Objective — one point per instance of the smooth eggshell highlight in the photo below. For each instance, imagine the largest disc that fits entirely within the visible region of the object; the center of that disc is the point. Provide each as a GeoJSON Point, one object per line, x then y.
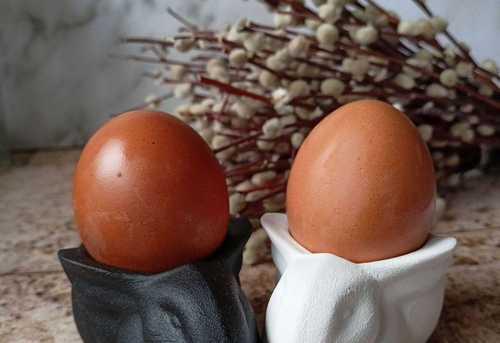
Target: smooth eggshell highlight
{"type": "Point", "coordinates": [149, 195]}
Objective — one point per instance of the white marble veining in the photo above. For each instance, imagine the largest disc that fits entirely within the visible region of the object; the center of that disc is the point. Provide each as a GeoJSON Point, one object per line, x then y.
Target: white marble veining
{"type": "Point", "coordinates": [58, 82]}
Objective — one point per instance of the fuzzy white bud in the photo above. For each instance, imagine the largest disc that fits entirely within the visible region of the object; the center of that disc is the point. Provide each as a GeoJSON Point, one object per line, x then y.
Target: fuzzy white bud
{"type": "Point", "coordinates": [449, 78]}
{"type": "Point", "coordinates": [318, 2]}
{"type": "Point", "coordinates": [312, 24]}
{"type": "Point", "coordinates": [182, 110]}
{"type": "Point", "coordinates": [450, 56]}
{"type": "Point", "coordinates": [296, 139]}
{"type": "Point", "coordinates": [472, 174]}
{"type": "Point", "coordinates": [458, 129]}
{"type": "Point", "coordinates": [298, 88]}
{"type": "Point", "coordinates": [366, 35]}
{"type": "Point", "coordinates": [219, 73]}
{"type": "Point", "coordinates": [426, 132]}
{"type": "Point", "coordinates": [307, 70]}
{"type": "Point", "coordinates": [424, 54]}
{"type": "Point", "coordinates": [236, 203]}
{"type": "Point", "coordinates": [220, 141]}
{"type": "Point", "coordinates": [243, 110]}
{"type": "Point", "coordinates": [280, 97]}
{"type": "Point", "coordinates": [238, 57]}
{"type": "Point", "coordinates": [407, 28]}
{"type": "Point", "coordinates": [215, 62]}
{"type": "Point", "coordinates": [357, 67]}
{"type": "Point", "coordinates": [454, 180]}
{"type": "Point", "coordinates": [449, 117]}
{"type": "Point", "coordinates": [404, 81]}
{"type": "Point", "coordinates": [439, 24]}
{"type": "Point", "coordinates": [247, 156]}
{"type": "Point", "coordinates": [244, 186]}
{"type": "Point", "coordinates": [265, 145]}
{"type": "Point", "coordinates": [254, 251]}
{"type": "Point", "coordinates": [262, 178]}
{"type": "Point", "coordinates": [235, 34]}
{"type": "Point", "coordinates": [316, 113]}
{"type": "Point", "coordinates": [177, 72]}
{"type": "Point", "coordinates": [436, 91]}
{"type": "Point", "coordinates": [490, 66]}
{"type": "Point", "coordinates": [271, 127]}
{"type": "Point", "coordinates": [184, 45]}
{"type": "Point", "coordinates": [440, 209]}
{"type": "Point", "coordinates": [486, 130]}
{"type": "Point", "coordinates": [207, 134]}
{"type": "Point", "coordinates": [282, 21]}
{"type": "Point", "coordinates": [199, 108]}
{"type": "Point", "coordinates": [182, 90]}
{"type": "Point", "coordinates": [288, 120]}
{"type": "Point", "coordinates": [275, 63]}
{"type": "Point", "coordinates": [268, 79]}
{"type": "Point", "coordinates": [468, 136]}
{"type": "Point", "coordinates": [472, 119]}
{"type": "Point", "coordinates": [254, 42]}
{"type": "Point", "coordinates": [329, 12]}
{"type": "Point", "coordinates": [327, 35]}
{"type": "Point", "coordinates": [464, 69]}
{"type": "Point", "coordinates": [299, 46]}
{"type": "Point", "coordinates": [453, 160]}
{"type": "Point", "coordinates": [256, 195]}
{"type": "Point", "coordinates": [271, 205]}
{"type": "Point", "coordinates": [485, 90]}
{"type": "Point", "coordinates": [424, 27]}
{"type": "Point", "coordinates": [302, 113]}
{"type": "Point", "coordinates": [332, 87]}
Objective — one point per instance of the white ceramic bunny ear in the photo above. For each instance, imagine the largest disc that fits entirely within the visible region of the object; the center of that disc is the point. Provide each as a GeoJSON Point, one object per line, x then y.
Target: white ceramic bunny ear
{"type": "Point", "coordinates": [325, 298]}
{"type": "Point", "coordinates": [284, 249]}
{"type": "Point", "coordinates": [413, 290]}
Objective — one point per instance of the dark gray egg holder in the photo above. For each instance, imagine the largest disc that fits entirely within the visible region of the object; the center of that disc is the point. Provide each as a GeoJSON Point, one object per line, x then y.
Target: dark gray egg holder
{"type": "Point", "coordinates": [199, 302]}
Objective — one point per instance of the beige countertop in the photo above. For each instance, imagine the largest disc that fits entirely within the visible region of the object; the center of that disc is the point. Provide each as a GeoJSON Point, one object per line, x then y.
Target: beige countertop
{"type": "Point", "coordinates": [36, 221]}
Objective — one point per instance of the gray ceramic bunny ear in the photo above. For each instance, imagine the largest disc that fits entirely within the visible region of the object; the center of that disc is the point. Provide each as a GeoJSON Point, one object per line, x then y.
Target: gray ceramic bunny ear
{"type": "Point", "coordinates": [230, 253]}
{"type": "Point", "coordinates": [199, 302]}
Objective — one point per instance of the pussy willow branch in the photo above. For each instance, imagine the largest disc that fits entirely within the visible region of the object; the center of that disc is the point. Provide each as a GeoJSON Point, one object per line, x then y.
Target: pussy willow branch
{"type": "Point", "coordinates": [392, 51]}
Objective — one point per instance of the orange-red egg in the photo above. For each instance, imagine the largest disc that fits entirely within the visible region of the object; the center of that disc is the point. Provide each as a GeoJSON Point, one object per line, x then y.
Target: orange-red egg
{"type": "Point", "coordinates": [362, 185]}
{"type": "Point", "coordinates": [149, 195]}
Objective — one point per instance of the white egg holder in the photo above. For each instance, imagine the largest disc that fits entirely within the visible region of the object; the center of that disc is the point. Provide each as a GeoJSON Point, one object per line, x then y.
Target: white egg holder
{"type": "Point", "coordinates": [323, 298]}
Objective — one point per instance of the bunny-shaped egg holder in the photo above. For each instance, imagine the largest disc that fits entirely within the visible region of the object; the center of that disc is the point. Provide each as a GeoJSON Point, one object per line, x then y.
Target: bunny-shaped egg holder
{"type": "Point", "coordinates": [322, 298]}
{"type": "Point", "coordinates": [319, 297]}
{"type": "Point", "coordinates": [199, 302]}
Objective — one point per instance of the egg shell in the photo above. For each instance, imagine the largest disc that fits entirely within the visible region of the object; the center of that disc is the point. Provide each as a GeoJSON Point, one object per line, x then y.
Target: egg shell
{"type": "Point", "coordinates": [149, 195]}
{"type": "Point", "coordinates": [362, 186]}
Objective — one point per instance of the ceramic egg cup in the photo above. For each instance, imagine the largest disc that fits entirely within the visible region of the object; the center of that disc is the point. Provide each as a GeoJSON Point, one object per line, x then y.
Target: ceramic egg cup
{"type": "Point", "coordinates": [198, 302]}
{"type": "Point", "coordinates": [323, 298]}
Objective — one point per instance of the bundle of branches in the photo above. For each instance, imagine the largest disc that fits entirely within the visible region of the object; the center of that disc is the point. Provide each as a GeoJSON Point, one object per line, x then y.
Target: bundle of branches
{"type": "Point", "coordinates": [254, 91]}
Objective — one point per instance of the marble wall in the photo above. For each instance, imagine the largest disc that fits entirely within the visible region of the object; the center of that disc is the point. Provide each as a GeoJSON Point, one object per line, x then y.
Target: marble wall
{"type": "Point", "coordinates": [58, 82]}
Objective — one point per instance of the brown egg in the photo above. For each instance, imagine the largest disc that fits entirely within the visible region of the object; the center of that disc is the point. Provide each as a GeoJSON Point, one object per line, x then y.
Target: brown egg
{"type": "Point", "coordinates": [149, 195]}
{"type": "Point", "coordinates": [362, 185]}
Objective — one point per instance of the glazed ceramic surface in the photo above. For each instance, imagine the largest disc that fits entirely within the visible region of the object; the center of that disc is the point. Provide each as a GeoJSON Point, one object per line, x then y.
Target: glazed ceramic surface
{"type": "Point", "coordinates": [323, 298]}
{"type": "Point", "coordinates": [197, 303]}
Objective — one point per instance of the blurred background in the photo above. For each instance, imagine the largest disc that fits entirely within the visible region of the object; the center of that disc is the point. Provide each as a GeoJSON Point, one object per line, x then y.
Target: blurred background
{"type": "Point", "coordinates": [59, 81]}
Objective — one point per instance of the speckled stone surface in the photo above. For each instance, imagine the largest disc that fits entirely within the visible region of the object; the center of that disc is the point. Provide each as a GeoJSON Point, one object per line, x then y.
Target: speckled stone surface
{"type": "Point", "coordinates": [36, 221]}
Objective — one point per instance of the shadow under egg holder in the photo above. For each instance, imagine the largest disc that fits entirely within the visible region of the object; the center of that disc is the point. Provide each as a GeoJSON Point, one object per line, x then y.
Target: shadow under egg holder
{"type": "Point", "coordinates": [197, 302]}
